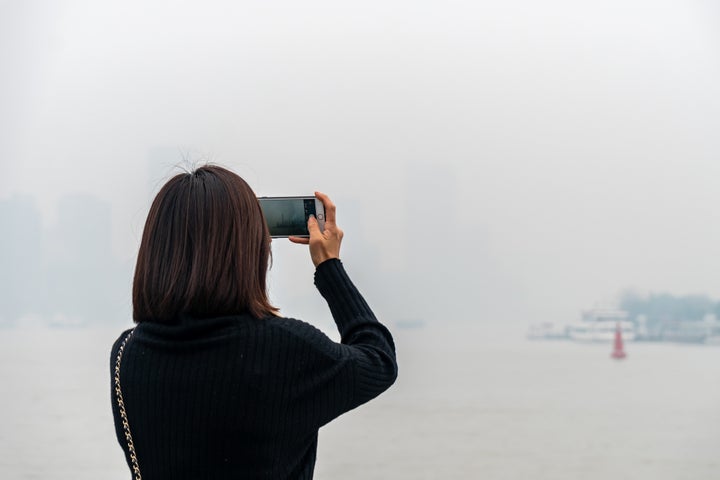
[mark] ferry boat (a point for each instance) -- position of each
(547, 331)
(599, 325)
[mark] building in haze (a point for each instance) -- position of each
(86, 283)
(23, 279)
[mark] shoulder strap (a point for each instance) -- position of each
(123, 414)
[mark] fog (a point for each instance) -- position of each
(492, 162)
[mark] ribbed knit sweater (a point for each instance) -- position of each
(243, 398)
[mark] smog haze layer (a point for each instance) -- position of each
(491, 163)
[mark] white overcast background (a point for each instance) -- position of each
(508, 161)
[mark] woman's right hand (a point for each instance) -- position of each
(326, 244)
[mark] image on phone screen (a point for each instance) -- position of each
(288, 216)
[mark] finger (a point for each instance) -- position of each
(300, 240)
(313, 227)
(329, 207)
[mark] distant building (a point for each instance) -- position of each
(23, 282)
(84, 278)
(432, 263)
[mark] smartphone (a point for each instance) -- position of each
(288, 216)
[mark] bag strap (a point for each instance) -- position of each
(123, 414)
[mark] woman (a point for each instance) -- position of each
(212, 382)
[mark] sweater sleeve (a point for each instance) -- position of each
(365, 340)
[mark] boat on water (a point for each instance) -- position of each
(600, 325)
(547, 331)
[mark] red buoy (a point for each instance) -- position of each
(618, 351)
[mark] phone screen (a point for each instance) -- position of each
(288, 216)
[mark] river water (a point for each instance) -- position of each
(469, 403)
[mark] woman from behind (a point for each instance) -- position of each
(212, 383)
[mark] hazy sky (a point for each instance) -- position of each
(576, 144)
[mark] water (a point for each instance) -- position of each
(466, 405)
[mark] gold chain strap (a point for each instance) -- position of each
(123, 414)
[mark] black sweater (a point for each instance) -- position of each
(243, 398)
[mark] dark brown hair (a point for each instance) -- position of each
(204, 251)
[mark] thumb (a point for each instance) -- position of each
(313, 227)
